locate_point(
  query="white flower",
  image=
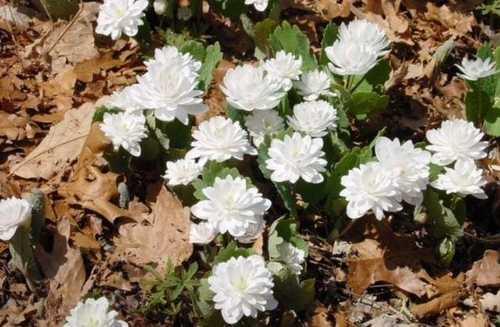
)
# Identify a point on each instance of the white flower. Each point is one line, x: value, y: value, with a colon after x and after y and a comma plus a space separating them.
x: 124, y: 100
x: 248, y: 88
x: 13, y: 213
x: 202, y: 233
x: 171, y: 56
x: 296, y: 157
x: 262, y: 123
x: 464, y: 178
x: 231, y: 206
x: 283, y: 69
x: 313, y: 118
x: 125, y: 130
x: 293, y: 257
x: 314, y: 84
x: 365, y: 33
x: 120, y: 16
x: 93, y: 313
x: 456, y: 139
x: 170, y: 92
x: 242, y: 287
x: 259, y: 5
x: 182, y: 171
x: 160, y: 6
x: 370, y: 187
x: 252, y: 233
x: 350, y: 58
x: 409, y: 165
x: 473, y: 70
x: 220, y: 139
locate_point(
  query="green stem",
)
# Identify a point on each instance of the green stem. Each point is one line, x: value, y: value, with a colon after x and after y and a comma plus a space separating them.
x: 23, y: 259
x: 357, y: 84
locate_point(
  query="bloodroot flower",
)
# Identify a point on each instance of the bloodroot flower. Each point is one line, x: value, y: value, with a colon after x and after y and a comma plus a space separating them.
x: 13, y: 213
x: 368, y: 34
x: 126, y: 130
x: 296, y: 157
x: 231, y: 206
x: 242, y: 287
x: 120, y: 16
x: 370, y: 187
x: 314, y: 118
x: 182, y: 171
x: 284, y: 69
x: 220, y: 139
x: 314, y: 84
x: 262, y: 123
x: 456, y: 139
x: 249, y: 88
x: 465, y: 179
x: 350, y: 58
x: 473, y: 70
x: 409, y: 165
x: 93, y: 313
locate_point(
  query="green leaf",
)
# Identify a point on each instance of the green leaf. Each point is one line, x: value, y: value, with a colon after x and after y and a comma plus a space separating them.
x: 329, y: 36
x: 212, y: 58
x: 492, y: 121
x: 195, y: 49
x: 444, y: 223
x: 291, y: 39
x: 232, y: 251
x: 477, y: 104
x: 262, y: 30
x: 363, y: 104
x: 291, y: 293
x: 446, y: 251
x: 100, y: 111
x: 285, y: 230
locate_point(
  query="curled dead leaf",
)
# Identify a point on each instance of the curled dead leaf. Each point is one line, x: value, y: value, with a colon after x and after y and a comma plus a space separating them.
x: 163, y: 236
x: 485, y: 272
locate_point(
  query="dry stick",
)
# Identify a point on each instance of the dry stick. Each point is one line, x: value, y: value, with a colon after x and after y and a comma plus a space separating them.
x: 60, y: 36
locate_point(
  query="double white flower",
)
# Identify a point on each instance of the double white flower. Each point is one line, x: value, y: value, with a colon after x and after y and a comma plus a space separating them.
x: 120, y: 16
x: 314, y: 118
x: 370, y: 187
x: 292, y: 256
x: 473, y: 70
x: 250, y: 88
x: 296, y: 157
x: 409, y: 166
x: 262, y: 123
x: 358, y: 48
x: 314, y: 84
x: 454, y: 140
x: 220, y: 139
x: 182, y: 171
x: 284, y: 68
x: 14, y: 213
x: 94, y: 313
x: 231, y: 206
x: 464, y: 179
x: 243, y: 287
x: 126, y: 130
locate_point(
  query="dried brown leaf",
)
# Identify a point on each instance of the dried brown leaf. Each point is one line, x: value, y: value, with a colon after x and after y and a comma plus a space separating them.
x: 485, y: 272
x: 163, y: 236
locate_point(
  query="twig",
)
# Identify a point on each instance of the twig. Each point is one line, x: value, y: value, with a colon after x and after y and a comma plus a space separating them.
x: 60, y: 36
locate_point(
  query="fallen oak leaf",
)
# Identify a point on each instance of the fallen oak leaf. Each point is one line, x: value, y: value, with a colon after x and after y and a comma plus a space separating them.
x: 60, y: 147
x: 162, y: 237
x: 486, y: 271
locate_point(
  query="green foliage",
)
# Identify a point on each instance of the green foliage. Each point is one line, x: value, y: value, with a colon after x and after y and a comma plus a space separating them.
x: 491, y: 7
x: 363, y: 104
x: 262, y: 30
x: 232, y: 251
x: 292, y: 39
x: 293, y: 294
x: 329, y: 36
x: 446, y: 251
x: 285, y: 230
x: 445, y: 222
x: 210, y: 172
x: 170, y: 291
x: 375, y: 79
x: 37, y: 201
x: 482, y: 103
x: 100, y: 111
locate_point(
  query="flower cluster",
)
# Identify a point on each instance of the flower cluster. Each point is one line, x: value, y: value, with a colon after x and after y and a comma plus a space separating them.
x: 401, y: 172
x: 169, y: 90
x: 357, y: 49
x: 94, y: 312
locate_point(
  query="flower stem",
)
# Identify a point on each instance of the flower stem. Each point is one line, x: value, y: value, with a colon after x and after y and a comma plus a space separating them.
x: 21, y: 250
